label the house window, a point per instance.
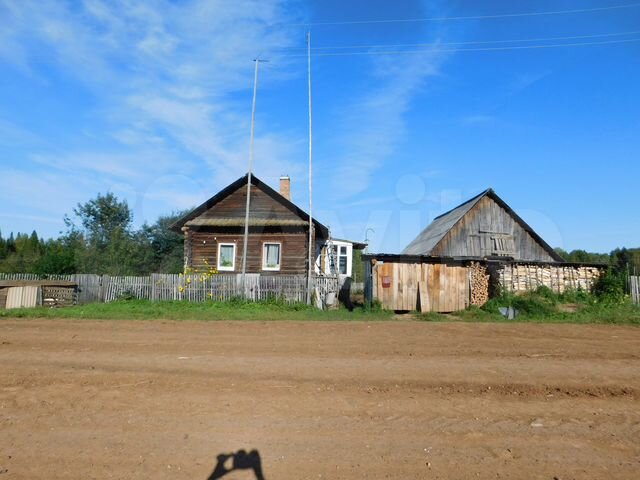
(227, 257)
(342, 260)
(271, 256)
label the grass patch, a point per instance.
(206, 311)
(544, 306)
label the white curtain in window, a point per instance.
(226, 255)
(272, 255)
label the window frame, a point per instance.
(346, 260)
(222, 268)
(264, 256)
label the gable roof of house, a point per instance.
(430, 237)
(191, 217)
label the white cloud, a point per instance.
(165, 76)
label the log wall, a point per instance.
(204, 246)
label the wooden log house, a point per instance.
(278, 233)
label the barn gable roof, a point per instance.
(426, 242)
(190, 218)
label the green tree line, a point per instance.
(99, 238)
(620, 259)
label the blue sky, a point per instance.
(151, 100)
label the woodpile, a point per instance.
(58, 296)
(479, 280)
(522, 277)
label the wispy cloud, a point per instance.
(376, 124)
(165, 76)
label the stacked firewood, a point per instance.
(479, 284)
(559, 278)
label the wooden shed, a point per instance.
(465, 256)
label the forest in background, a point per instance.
(100, 238)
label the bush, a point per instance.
(610, 287)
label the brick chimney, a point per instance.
(285, 187)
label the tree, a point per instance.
(58, 258)
(102, 218)
(3, 248)
(103, 241)
(166, 245)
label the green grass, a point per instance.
(206, 311)
(544, 306)
(541, 306)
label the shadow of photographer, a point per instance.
(240, 460)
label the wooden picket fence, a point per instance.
(194, 287)
(634, 289)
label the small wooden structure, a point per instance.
(34, 293)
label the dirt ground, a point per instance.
(398, 399)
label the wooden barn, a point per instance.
(465, 256)
(278, 234)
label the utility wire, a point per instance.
(470, 17)
(453, 50)
(478, 42)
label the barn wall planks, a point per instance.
(424, 287)
(486, 223)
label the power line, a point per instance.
(468, 17)
(454, 50)
(476, 42)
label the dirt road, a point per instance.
(404, 400)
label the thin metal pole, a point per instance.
(249, 174)
(310, 170)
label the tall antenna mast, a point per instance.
(249, 175)
(310, 170)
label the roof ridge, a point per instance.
(477, 197)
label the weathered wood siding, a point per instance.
(634, 289)
(473, 235)
(262, 206)
(424, 287)
(204, 246)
